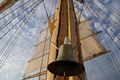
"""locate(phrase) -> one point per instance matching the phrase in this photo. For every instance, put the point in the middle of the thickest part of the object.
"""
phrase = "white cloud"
(35, 31)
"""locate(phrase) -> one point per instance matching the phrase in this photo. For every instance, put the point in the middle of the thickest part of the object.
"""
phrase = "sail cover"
(89, 43)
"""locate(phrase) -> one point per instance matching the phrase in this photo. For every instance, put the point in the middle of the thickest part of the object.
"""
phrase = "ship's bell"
(65, 65)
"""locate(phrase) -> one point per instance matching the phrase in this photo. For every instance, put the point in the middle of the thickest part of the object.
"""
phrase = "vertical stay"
(43, 53)
(40, 59)
(52, 55)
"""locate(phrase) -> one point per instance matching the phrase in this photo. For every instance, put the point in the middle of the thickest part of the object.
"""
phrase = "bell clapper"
(64, 76)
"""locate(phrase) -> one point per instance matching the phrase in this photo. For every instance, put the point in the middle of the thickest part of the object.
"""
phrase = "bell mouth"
(70, 68)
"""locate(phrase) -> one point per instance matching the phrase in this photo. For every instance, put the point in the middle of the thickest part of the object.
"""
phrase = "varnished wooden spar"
(6, 4)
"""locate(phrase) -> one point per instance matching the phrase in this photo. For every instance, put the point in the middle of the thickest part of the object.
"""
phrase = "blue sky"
(14, 67)
(101, 68)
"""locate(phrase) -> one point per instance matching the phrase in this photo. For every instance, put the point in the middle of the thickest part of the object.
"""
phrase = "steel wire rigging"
(108, 16)
(96, 14)
(4, 25)
(112, 57)
(27, 2)
(109, 59)
(6, 50)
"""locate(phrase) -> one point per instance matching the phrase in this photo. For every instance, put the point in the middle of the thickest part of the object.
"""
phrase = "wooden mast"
(66, 27)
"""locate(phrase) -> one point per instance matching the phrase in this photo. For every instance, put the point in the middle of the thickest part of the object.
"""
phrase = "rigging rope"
(46, 11)
(16, 37)
(105, 30)
(46, 36)
(111, 64)
(4, 25)
(13, 27)
(112, 55)
(115, 71)
(111, 10)
(14, 9)
(13, 35)
(109, 17)
(52, 7)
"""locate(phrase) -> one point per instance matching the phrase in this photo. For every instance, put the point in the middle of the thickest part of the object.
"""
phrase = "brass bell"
(65, 65)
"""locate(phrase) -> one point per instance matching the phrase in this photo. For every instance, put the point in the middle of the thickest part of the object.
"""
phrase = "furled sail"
(40, 59)
(90, 45)
(4, 4)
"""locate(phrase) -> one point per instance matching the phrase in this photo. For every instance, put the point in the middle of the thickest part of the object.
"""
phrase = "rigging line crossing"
(12, 27)
(8, 53)
(111, 10)
(106, 32)
(108, 35)
(77, 33)
(108, 64)
(5, 46)
(4, 20)
(14, 10)
(4, 25)
(52, 7)
(48, 54)
(108, 18)
(18, 15)
(45, 41)
(43, 53)
(4, 53)
(79, 17)
(12, 36)
(50, 40)
(109, 27)
(24, 23)
(46, 11)
(112, 56)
